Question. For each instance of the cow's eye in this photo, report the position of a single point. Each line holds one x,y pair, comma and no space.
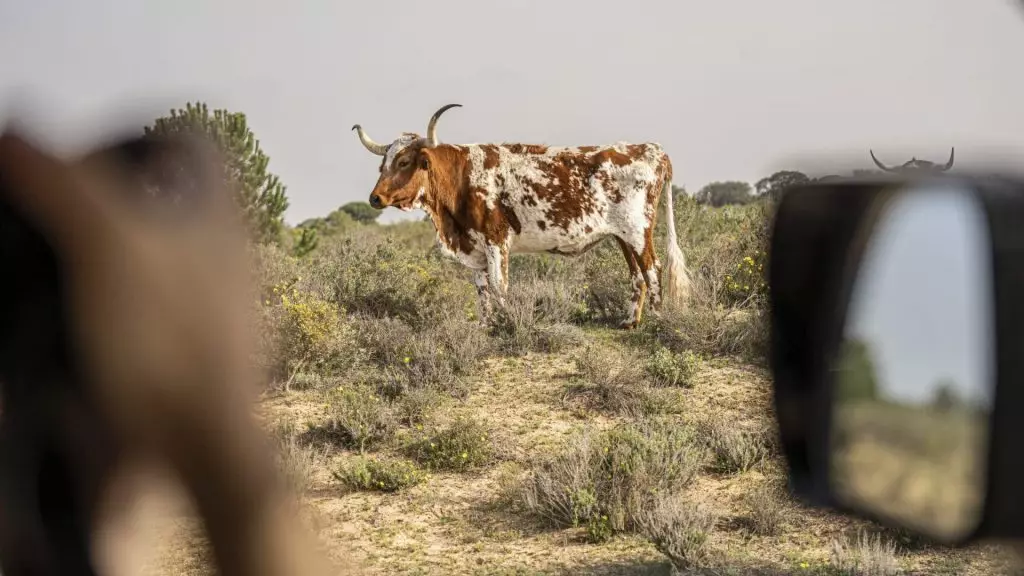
403,163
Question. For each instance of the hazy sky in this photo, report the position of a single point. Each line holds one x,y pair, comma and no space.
923,296
732,89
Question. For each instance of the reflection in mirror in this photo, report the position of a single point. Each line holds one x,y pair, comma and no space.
915,372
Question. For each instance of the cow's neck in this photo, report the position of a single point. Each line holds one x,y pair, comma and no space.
446,201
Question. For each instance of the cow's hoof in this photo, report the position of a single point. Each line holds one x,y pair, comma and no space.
627,324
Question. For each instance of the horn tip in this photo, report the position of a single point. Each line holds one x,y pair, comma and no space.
355,127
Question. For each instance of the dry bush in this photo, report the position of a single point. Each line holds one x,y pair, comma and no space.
679,530
313,336
734,450
614,382
438,357
606,480
536,317
767,510
708,331
296,461
379,278
416,405
865,556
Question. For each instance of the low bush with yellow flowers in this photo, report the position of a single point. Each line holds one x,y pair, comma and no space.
748,281
313,335
462,445
379,474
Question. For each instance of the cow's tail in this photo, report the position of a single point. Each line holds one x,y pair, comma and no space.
677,280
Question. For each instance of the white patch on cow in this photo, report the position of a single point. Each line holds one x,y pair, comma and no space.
396,147
417,202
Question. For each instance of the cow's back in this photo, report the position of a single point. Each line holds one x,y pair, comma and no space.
566,198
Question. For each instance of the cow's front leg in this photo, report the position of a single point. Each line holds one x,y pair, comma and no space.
483,293
497,272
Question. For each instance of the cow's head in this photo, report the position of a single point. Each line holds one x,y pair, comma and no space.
404,166
915,165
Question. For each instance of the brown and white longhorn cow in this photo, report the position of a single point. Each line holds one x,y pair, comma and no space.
488,201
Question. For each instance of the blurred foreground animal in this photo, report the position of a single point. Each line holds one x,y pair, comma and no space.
488,201
126,345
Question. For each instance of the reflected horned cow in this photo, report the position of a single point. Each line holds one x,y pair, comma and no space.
915,165
488,201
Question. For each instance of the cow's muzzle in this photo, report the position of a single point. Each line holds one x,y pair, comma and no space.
376,202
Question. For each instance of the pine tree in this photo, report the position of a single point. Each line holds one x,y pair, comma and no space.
260,194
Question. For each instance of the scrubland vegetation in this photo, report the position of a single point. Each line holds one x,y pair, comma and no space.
545,441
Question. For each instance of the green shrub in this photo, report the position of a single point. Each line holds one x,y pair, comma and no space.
463,445
358,418
312,335
669,368
383,475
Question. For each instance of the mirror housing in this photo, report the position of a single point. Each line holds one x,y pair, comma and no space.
819,237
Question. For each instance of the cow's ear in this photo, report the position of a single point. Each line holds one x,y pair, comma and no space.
424,159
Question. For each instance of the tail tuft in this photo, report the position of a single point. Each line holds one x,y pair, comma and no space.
677,288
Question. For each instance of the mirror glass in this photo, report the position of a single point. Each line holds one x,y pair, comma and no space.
915,373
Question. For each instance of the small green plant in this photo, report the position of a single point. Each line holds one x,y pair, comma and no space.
463,445
748,281
415,406
599,529
383,475
669,368
359,418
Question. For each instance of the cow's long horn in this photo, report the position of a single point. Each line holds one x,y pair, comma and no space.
378,149
950,163
879,164
432,125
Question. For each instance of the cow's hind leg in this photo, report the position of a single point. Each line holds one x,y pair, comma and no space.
636,277
483,293
651,267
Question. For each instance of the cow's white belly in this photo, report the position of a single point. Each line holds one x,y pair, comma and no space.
572,241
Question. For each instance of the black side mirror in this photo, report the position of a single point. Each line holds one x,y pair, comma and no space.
897,326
